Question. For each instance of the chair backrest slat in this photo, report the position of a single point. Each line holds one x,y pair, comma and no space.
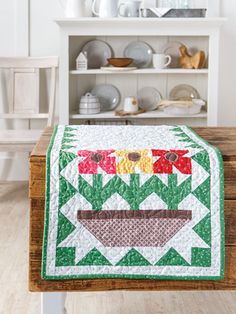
24,83
51,107
28,62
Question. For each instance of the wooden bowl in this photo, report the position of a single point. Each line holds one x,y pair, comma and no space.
120,62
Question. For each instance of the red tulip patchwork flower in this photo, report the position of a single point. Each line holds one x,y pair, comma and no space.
95,160
170,159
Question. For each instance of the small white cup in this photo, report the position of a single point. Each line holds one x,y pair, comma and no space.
129,9
130,104
160,60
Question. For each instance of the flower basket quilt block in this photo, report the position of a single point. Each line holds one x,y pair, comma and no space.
133,202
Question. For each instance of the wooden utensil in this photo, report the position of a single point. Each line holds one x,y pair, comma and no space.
122,113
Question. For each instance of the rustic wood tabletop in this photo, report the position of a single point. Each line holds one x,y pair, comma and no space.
223,138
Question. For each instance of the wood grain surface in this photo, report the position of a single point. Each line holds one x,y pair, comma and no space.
223,138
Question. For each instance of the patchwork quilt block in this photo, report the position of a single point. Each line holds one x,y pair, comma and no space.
133,202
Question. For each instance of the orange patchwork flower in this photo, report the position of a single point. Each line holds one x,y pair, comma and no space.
137,161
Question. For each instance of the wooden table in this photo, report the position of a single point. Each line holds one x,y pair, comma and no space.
224,138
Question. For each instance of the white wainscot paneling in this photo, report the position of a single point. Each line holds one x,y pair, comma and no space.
14,42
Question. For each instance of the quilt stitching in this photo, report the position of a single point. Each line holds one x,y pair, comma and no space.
170,191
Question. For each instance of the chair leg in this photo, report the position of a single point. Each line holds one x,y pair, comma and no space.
53,302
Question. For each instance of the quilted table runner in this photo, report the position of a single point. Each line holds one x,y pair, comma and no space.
133,202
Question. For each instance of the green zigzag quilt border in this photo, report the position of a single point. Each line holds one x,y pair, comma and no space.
222,196
47,206
125,276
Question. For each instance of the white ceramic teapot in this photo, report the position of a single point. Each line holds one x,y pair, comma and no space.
77,8
107,8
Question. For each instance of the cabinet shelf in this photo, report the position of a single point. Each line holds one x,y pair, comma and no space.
147,115
139,71
198,33
140,25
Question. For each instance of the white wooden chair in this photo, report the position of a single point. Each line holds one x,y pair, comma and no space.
24,99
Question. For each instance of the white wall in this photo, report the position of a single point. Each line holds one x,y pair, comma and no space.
42,38
227,84
7,22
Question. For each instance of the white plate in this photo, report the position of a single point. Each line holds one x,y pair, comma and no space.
172,49
149,98
140,52
108,95
97,53
184,91
118,69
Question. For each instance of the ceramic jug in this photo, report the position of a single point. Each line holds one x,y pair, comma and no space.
76,8
107,8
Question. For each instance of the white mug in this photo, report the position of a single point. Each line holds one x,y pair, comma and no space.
129,9
161,61
131,104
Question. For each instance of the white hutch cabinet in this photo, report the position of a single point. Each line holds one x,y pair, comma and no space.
195,33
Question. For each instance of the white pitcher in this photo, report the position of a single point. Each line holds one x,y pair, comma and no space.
107,8
76,8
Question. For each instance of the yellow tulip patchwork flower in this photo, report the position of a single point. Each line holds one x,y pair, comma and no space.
137,161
